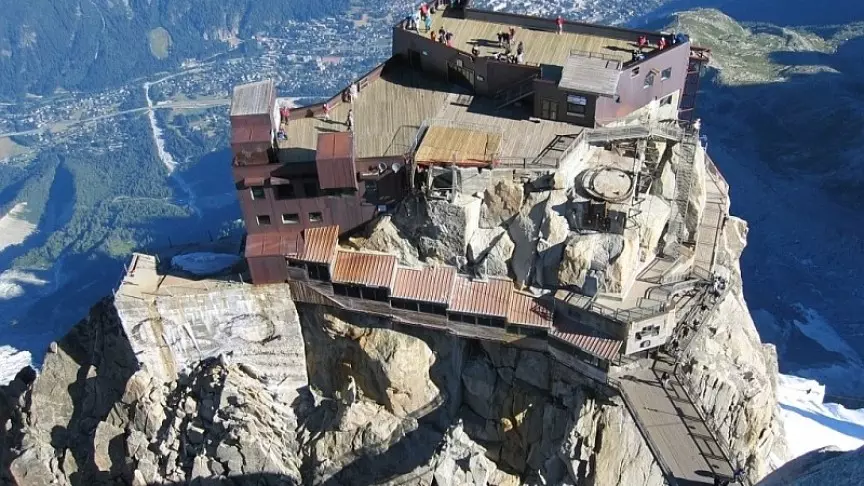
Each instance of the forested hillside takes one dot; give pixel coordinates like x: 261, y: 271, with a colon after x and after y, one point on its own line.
x: 89, y: 45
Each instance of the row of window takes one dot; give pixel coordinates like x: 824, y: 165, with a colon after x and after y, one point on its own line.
x: 289, y: 218
x: 649, y: 78
x: 285, y: 191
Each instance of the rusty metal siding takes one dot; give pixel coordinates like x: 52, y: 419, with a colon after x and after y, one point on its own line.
x: 319, y: 245
x: 483, y: 298
x: 268, y: 269
x: 334, y: 159
x: 270, y: 244
x: 429, y: 284
x: 363, y: 268
x: 596, y: 346
x: 525, y: 310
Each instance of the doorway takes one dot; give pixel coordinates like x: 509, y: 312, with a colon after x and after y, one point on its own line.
x: 549, y: 109
x: 460, y: 75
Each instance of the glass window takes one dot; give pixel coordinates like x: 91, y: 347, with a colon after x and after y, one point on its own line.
x: 290, y: 218
x: 635, y: 72
x: 315, y: 217
x: 577, y: 105
x: 258, y: 192
x: 666, y: 101
x: 649, y: 80
x: 263, y: 219
x: 666, y: 74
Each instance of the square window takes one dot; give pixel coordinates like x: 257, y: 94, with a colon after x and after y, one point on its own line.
x: 649, y: 80
x: 666, y: 74
x: 315, y: 217
x: 577, y: 105
x: 263, y: 219
x: 290, y: 218
x: 257, y: 192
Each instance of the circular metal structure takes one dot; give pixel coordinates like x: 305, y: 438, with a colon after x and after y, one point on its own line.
x: 608, y: 184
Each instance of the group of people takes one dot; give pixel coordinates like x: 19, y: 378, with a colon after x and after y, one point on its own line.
x: 442, y: 36
x: 663, y: 42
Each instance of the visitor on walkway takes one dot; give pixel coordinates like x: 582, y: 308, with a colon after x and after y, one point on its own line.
x: 349, y: 122
x: 355, y: 93
x: 520, y: 49
x: 428, y: 22
x: 560, y: 23
x: 449, y: 39
x: 326, y: 110
x: 433, y: 36
x: 661, y: 44
x: 475, y: 52
x: 520, y: 58
x: 424, y: 10
x: 441, y: 35
x: 512, y: 34
x: 642, y: 41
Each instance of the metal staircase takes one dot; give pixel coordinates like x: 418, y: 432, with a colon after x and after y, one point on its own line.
x: 683, y: 185
x: 518, y: 91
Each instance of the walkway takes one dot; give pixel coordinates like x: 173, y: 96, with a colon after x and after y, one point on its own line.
x: 710, y: 226
x: 674, y: 426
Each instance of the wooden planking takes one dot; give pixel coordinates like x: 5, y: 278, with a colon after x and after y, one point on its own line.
x: 541, y: 47
x: 458, y: 145
x: 387, y: 115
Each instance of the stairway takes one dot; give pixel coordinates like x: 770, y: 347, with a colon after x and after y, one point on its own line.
x: 683, y: 183
x: 518, y: 91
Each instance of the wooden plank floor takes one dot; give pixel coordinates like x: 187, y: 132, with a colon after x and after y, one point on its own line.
x: 541, y: 47
x: 674, y: 426
x: 458, y: 144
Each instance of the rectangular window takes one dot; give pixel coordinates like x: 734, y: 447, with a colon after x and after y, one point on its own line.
x: 257, y: 192
x: 284, y: 191
x: 315, y: 217
x: 666, y: 74
x: 634, y: 72
x: 576, y: 105
x: 649, y: 80
x: 263, y: 219
x: 290, y: 218
x: 666, y: 101
x: 310, y: 188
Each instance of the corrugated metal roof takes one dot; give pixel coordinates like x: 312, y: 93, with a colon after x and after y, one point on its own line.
x: 363, y: 268
x: 270, y: 244
x: 319, y: 244
x: 525, y: 310
x: 429, y: 284
x: 334, y: 161
x: 253, y: 98
x: 484, y: 298
x: 596, y: 346
x: 590, y: 75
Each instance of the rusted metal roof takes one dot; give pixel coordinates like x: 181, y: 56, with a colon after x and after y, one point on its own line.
x: 319, y: 244
x: 596, y: 346
x: 525, y: 310
x: 364, y: 268
x: 484, y: 298
x: 270, y: 244
x: 429, y: 284
x: 253, y: 98
x: 334, y: 161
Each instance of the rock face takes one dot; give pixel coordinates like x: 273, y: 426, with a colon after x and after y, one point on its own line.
x: 823, y: 466
x: 606, y: 257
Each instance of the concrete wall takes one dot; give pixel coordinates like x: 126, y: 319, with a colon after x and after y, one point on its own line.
x: 667, y: 326
x: 256, y: 325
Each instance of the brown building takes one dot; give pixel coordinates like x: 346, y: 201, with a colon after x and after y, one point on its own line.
x: 433, y: 103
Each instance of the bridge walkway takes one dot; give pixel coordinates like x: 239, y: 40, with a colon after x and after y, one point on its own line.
x: 674, y: 426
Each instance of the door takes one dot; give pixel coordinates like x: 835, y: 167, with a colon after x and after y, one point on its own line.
x: 461, y: 75
x: 549, y: 109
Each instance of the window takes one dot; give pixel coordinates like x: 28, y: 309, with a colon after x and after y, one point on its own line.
x: 644, y: 344
x: 315, y: 217
x: 284, y: 191
x: 257, y: 192
x: 649, y: 80
x: 480, y: 78
x: 310, y: 188
x: 666, y: 101
x: 634, y: 72
x: 576, y: 105
x: 263, y: 219
x: 666, y: 74
x: 290, y: 218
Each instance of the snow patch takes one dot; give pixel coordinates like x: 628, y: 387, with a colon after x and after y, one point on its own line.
x: 811, y: 424
x: 12, y: 283
x: 816, y: 328
x: 11, y: 362
x: 204, y: 263
x: 13, y: 230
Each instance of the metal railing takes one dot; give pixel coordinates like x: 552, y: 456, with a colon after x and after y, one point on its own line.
x: 597, y: 55
x: 527, y: 163
x: 608, y: 134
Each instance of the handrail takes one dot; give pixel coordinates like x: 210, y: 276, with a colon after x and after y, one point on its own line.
x: 643, y: 431
x: 517, y: 83
x: 596, y: 55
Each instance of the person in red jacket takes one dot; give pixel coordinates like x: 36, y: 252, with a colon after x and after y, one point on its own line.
x: 560, y: 23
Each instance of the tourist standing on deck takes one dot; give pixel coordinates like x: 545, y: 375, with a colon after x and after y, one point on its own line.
x: 520, y: 48
x: 560, y: 23
x: 428, y: 23
x: 354, y: 92
x: 326, y: 110
x: 349, y: 122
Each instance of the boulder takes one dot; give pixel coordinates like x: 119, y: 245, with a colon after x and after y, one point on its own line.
x: 524, y: 230
x: 384, y: 236
x: 554, y: 231
x: 611, y: 258
x: 500, y: 203
x: 652, y: 214
x: 494, y: 247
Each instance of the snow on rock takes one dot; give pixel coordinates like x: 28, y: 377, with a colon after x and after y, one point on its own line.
x: 204, y: 263
x: 11, y: 362
x: 811, y: 424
